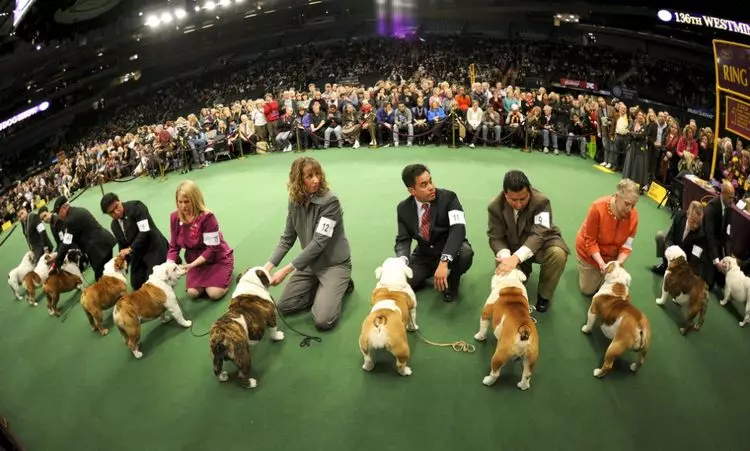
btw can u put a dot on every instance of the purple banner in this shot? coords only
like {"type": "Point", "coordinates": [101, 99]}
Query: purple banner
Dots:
{"type": "Point", "coordinates": [738, 117]}
{"type": "Point", "coordinates": [733, 67]}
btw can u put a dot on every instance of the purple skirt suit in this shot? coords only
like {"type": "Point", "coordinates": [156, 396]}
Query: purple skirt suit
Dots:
{"type": "Point", "coordinates": [202, 238]}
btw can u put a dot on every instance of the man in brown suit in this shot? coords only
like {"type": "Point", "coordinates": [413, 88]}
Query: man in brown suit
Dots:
{"type": "Point", "coordinates": [521, 232]}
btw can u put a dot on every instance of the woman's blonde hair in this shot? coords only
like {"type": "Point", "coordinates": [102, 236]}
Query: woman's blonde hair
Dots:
{"type": "Point", "coordinates": [194, 195]}
{"type": "Point", "coordinates": [695, 207]}
{"type": "Point", "coordinates": [628, 188]}
{"type": "Point", "coordinates": [296, 186]}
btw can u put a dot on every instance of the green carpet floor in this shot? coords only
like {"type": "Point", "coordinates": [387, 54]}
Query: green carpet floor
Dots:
{"type": "Point", "coordinates": [63, 387]}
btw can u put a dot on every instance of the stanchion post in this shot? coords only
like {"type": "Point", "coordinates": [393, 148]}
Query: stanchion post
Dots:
{"type": "Point", "coordinates": [453, 129]}
{"type": "Point", "coordinates": [296, 134]}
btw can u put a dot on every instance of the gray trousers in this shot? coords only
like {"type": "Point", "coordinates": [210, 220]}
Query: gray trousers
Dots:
{"type": "Point", "coordinates": [661, 245]}
{"type": "Point", "coordinates": [321, 291]}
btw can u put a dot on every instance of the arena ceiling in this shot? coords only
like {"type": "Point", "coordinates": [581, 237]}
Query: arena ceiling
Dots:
{"type": "Point", "coordinates": [70, 51]}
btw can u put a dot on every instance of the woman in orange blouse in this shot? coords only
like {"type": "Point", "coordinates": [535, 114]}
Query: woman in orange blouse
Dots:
{"type": "Point", "coordinates": [606, 234]}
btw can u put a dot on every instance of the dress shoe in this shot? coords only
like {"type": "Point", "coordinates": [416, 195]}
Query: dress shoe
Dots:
{"type": "Point", "coordinates": [450, 295]}
{"type": "Point", "coordinates": [350, 287]}
{"type": "Point", "coordinates": [542, 304]}
{"type": "Point", "coordinates": [659, 269]}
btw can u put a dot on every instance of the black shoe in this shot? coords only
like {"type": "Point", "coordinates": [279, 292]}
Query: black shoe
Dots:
{"type": "Point", "coordinates": [450, 295]}
{"type": "Point", "coordinates": [659, 269]}
{"type": "Point", "coordinates": [542, 304]}
{"type": "Point", "coordinates": [350, 287]}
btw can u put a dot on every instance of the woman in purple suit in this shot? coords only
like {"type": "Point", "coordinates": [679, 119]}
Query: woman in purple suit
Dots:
{"type": "Point", "coordinates": [209, 259]}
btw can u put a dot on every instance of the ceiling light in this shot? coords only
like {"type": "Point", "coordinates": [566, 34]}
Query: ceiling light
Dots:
{"type": "Point", "coordinates": [166, 17]}
{"type": "Point", "coordinates": [180, 13]}
{"type": "Point", "coordinates": [39, 46]}
{"type": "Point", "coordinates": [152, 21]}
{"type": "Point", "coordinates": [134, 57]}
{"type": "Point", "coordinates": [101, 53]}
{"type": "Point", "coordinates": [209, 5]}
{"type": "Point", "coordinates": [197, 8]}
{"type": "Point", "coordinates": [225, 2]}
{"type": "Point", "coordinates": [140, 14]}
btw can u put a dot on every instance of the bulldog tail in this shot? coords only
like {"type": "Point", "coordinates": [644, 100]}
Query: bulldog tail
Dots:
{"type": "Point", "coordinates": [219, 350]}
{"type": "Point", "coordinates": [378, 336]}
{"type": "Point", "coordinates": [380, 321]}
{"type": "Point", "coordinates": [524, 332]}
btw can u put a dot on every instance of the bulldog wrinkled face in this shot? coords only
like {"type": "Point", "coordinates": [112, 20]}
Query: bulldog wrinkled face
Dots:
{"type": "Point", "coordinates": [256, 276]}
{"type": "Point", "coordinates": [673, 253]}
{"type": "Point", "coordinates": [614, 272]}
{"type": "Point", "coordinates": [513, 276]}
{"type": "Point", "coordinates": [393, 272]}
{"type": "Point", "coordinates": [729, 263]}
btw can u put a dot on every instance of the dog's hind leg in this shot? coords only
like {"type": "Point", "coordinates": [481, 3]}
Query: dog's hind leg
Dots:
{"type": "Point", "coordinates": [528, 369]}
{"type": "Point", "coordinates": [590, 320]}
{"type": "Point", "coordinates": [174, 309]}
{"type": "Point", "coordinates": [746, 320]}
{"type": "Point", "coordinates": [273, 332]}
{"type": "Point", "coordinates": [242, 360]}
{"type": "Point", "coordinates": [499, 358]}
{"type": "Point", "coordinates": [484, 322]}
{"type": "Point", "coordinates": [401, 353]}
{"type": "Point", "coordinates": [364, 348]}
{"type": "Point", "coordinates": [615, 350]}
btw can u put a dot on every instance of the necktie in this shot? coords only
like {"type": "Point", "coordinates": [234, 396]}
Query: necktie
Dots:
{"type": "Point", "coordinates": [424, 225]}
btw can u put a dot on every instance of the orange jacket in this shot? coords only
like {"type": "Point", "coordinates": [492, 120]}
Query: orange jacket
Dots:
{"type": "Point", "coordinates": [602, 232]}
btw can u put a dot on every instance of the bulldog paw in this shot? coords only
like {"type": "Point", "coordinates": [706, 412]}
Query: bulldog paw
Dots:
{"type": "Point", "coordinates": [412, 327]}
{"type": "Point", "coordinates": [480, 336]}
{"type": "Point", "coordinates": [743, 322]}
{"type": "Point", "coordinates": [166, 318]}
{"type": "Point", "coordinates": [659, 301]}
{"type": "Point", "coordinates": [251, 383]}
{"type": "Point", "coordinates": [586, 329]}
{"type": "Point", "coordinates": [137, 354]}
{"type": "Point", "coordinates": [683, 330]}
{"type": "Point", "coordinates": [278, 336]}
{"type": "Point", "coordinates": [104, 331]}
{"type": "Point", "coordinates": [368, 365]}
{"type": "Point", "coordinates": [634, 367]}
{"type": "Point", "coordinates": [523, 385]}
{"type": "Point", "coordinates": [696, 327]}
{"type": "Point", "coordinates": [723, 302]}
{"type": "Point", "coordinates": [406, 371]}
{"type": "Point", "coordinates": [598, 373]}
{"type": "Point", "coordinates": [488, 380]}
{"type": "Point", "coordinates": [186, 323]}
{"type": "Point", "coordinates": [223, 376]}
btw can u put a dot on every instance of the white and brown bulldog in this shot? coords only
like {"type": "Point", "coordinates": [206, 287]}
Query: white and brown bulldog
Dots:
{"type": "Point", "coordinates": [685, 288]}
{"type": "Point", "coordinates": [105, 292]}
{"type": "Point", "coordinates": [737, 287]}
{"type": "Point", "coordinates": [17, 274]}
{"type": "Point", "coordinates": [394, 308]}
{"type": "Point", "coordinates": [251, 313]}
{"type": "Point", "coordinates": [156, 298]}
{"type": "Point", "coordinates": [507, 308]}
{"type": "Point", "coordinates": [621, 322]}
{"type": "Point", "coordinates": [68, 278]}
{"type": "Point", "coordinates": [36, 278]}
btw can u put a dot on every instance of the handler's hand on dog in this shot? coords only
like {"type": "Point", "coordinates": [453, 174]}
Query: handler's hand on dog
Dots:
{"type": "Point", "coordinates": [506, 265]}
{"type": "Point", "coordinates": [441, 277]}
{"type": "Point", "coordinates": [279, 276]}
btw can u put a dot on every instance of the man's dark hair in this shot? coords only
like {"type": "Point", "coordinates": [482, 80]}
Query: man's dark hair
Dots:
{"type": "Point", "coordinates": [410, 173]}
{"type": "Point", "coordinates": [515, 181]}
{"type": "Point", "coordinates": [107, 201]}
{"type": "Point", "coordinates": [42, 210]}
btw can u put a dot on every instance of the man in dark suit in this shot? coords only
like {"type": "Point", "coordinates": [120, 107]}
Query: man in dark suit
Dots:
{"type": "Point", "coordinates": [80, 228]}
{"type": "Point", "coordinates": [521, 232]}
{"type": "Point", "coordinates": [55, 225]}
{"type": "Point", "coordinates": [715, 225]}
{"type": "Point", "coordinates": [137, 236]}
{"type": "Point", "coordinates": [435, 219]}
{"type": "Point", "coordinates": [687, 232]}
{"type": "Point", "coordinates": [36, 235]}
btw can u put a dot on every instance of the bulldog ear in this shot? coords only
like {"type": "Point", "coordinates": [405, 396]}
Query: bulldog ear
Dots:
{"type": "Point", "coordinates": [609, 267]}
{"type": "Point", "coordinates": [409, 273]}
{"type": "Point", "coordinates": [263, 276]}
{"type": "Point", "coordinates": [378, 272]}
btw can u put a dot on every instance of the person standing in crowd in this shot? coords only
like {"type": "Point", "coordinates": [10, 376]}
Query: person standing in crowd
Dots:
{"type": "Point", "coordinates": [716, 226]}
{"type": "Point", "coordinates": [35, 232]}
{"type": "Point", "coordinates": [209, 259]}
{"type": "Point", "coordinates": [687, 232]}
{"type": "Point", "coordinates": [520, 222]}
{"type": "Point", "coordinates": [80, 228]}
{"type": "Point", "coordinates": [435, 219]}
{"type": "Point", "coordinates": [137, 236]}
{"type": "Point", "coordinates": [607, 234]}
{"type": "Point", "coordinates": [321, 273]}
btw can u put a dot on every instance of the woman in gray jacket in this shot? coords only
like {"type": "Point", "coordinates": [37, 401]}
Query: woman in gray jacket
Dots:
{"type": "Point", "coordinates": [321, 273]}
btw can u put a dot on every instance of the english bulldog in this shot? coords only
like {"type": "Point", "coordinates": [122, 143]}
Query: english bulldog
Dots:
{"type": "Point", "coordinates": [156, 298]}
{"type": "Point", "coordinates": [251, 313]}
{"type": "Point", "coordinates": [394, 307]}
{"type": "Point", "coordinates": [104, 293]}
{"type": "Point", "coordinates": [37, 277]}
{"type": "Point", "coordinates": [507, 307]}
{"type": "Point", "coordinates": [67, 279]}
{"type": "Point", "coordinates": [621, 322]}
{"type": "Point", "coordinates": [685, 288]}
{"type": "Point", "coordinates": [17, 274]}
{"type": "Point", "coordinates": [736, 287]}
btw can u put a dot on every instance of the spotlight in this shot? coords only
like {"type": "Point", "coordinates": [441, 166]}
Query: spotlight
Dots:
{"type": "Point", "coordinates": [664, 15]}
{"type": "Point", "coordinates": [209, 5]}
{"type": "Point", "coordinates": [225, 3]}
{"type": "Point", "coordinates": [39, 46]}
{"type": "Point", "coordinates": [166, 17]}
{"type": "Point", "coordinates": [152, 21]}
{"type": "Point", "coordinates": [180, 13]}
{"type": "Point", "coordinates": [197, 8]}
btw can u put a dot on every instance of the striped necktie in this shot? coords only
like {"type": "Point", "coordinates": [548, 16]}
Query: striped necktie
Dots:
{"type": "Point", "coordinates": [424, 225]}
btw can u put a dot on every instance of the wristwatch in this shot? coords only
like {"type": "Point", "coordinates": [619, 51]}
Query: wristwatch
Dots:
{"type": "Point", "coordinates": [445, 258]}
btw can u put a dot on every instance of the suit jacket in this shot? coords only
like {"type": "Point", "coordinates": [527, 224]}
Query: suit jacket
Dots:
{"type": "Point", "coordinates": [141, 235]}
{"type": "Point", "coordinates": [80, 228]}
{"type": "Point", "coordinates": [694, 243]}
{"type": "Point", "coordinates": [447, 226]}
{"type": "Point", "coordinates": [534, 228]}
{"type": "Point", "coordinates": [715, 227]}
{"type": "Point", "coordinates": [36, 235]}
{"type": "Point", "coordinates": [58, 230]}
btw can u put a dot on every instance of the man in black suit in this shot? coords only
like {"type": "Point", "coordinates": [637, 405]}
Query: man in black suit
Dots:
{"type": "Point", "coordinates": [137, 236]}
{"type": "Point", "coordinates": [716, 226]}
{"type": "Point", "coordinates": [687, 232]}
{"type": "Point", "coordinates": [36, 235]}
{"type": "Point", "coordinates": [80, 228]}
{"type": "Point", "coordinates": [435, 219]}
{"type": "Point", "coordinates": [55, 225]}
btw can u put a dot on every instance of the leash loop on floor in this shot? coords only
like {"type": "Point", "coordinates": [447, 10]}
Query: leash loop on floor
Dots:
{"type": "Point", "coordinates": [458, 346]}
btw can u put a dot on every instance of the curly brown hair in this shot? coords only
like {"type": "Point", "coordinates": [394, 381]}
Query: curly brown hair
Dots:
{"type": "Point", "coordinates": [296, 185]}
